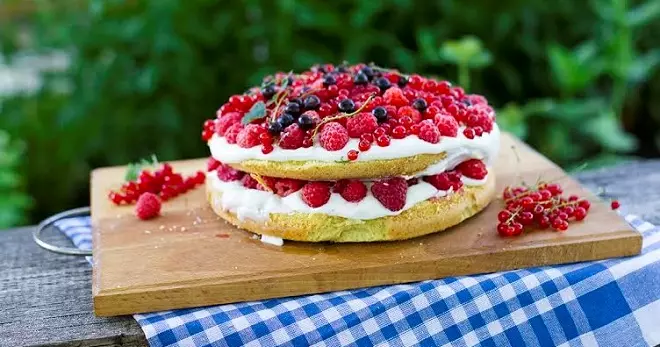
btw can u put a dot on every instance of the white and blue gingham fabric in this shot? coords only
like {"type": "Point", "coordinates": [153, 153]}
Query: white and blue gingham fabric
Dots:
{"type": "Point", "coordinates": [613, 302]}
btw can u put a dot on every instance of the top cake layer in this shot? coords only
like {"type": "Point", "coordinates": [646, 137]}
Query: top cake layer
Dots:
{"type": "Point", "coordinates": [350, 122]}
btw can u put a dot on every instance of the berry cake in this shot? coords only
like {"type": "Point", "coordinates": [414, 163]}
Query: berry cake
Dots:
{"type": "Point", "coordinates": [350, 154]}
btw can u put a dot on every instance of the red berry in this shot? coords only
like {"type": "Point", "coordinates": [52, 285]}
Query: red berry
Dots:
{"type": "Point", "coordinates": [352, 155]}
{"type": "Point", "coordinates": [211, 165]}
{"type": "Point", "coordinates": [352, 190]}
{"type": "Point", "coordinates": [415, 81]}
{"type": "Point", "coordinates": [249, 182]}
{"type": "Point", "coordinates": [226, 121]}
{"type": "Point", "coordinates": [615, 204]}
{"type": "Point", "coordinates": [478, 131]}
{"type": "Point", "coordinates": [266, 139]}
{"type": "Point", "coordinates": [307, 142]}
{"type": "Point", "coordinates": [545, 194]}
{"type": "Point", "coordinates": [554, 188]}
{"type": "Point", "coordinates": [116, 198]}
{"type": "Point", "coordinates": [517, 228]}
{"type": "Point", "coordinates": [543, 222]}
{"type": "Point", "coordinates": [316, 194]}
{"type": "Point", "coordinates": [538, 209]}
{"type": "Point", "coordinates": [573, 198]}
{"type": "Point", "coordinates": [557, 223]}
{"type": "Point", "coordinates": [473, 168]}
{"type": "Point", "coordinates": [333, 136]}
{"type": "Point", "coordinates": [443, 87]}
{"type": "Point", "coordinates": [362, 123]}
{"type": "Point", "coordinates": [441, 181]}
{"type": "Point", "coordinates": [506, 230]}
{"type": "Point", "coordinates": [292, 137]}
{"type": "Point", "coordinates": [429, 132]}
{"type": "Point", "coordinates": [391, 192]}
{"type": "Point", "coordinates": [447, 125]}
{"type": "Point", "coordinates": [148, 206]}
{"type": "Point", "coordinates": [415, 128]}
{"type": "Point", "coordinates": [399, 132]}
{"type": "Point", "coordinates": [469, 133]}
{"type": "Point", "coordinates": [286, 186]}
{"type": "Point", "coordinates": [503, 215]}
{"type": "Point", "coordinates": [369, 138]}
{"type": "Point", "coordinates": [364, 145]}
{"type": "Point", "coordinates": [207, 134]}
{"type": "Point", "coordinates": [249, 136]}
{"type": "Point", "coordinates": [380, 131]}
{"type": "Point", "coordinates": [265, 149]}
{"type": "Point", "coordinates": [394, 96]}
{"type": "Point", "coordinates": [580, 213]}
{"type": "Point", "coordinates": [227, 174]}
{"type": "Point", "coordinates": [585, 204]}
{"type": "Point", "coordinates": [383, 141]}
{"type": "Point", "coordinates": [526, 218]}
{"type": "Point", "coordinates": [231, 134]}
{"type": "Point", "coordinates": [410, 112]}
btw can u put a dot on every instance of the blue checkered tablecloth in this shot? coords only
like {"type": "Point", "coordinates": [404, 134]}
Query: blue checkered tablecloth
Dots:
{"type": "Point", "coordinates": [613, 302]}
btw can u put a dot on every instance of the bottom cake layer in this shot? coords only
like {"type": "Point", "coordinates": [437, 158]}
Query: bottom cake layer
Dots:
{"type": "Point", "coordinates": [432, 215]}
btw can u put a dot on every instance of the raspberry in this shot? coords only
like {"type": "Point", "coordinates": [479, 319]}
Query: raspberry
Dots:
{"type": "Point", "coordinates": [227, 173]}
{"type": "Point", "coordinates": [249, 182]}
{"type": "Point", "coordinates": [473, 168]}
{"type": "Point", "coordinates": [148, 206]}
{"type": "Point", "coordinates": [441, 181]}
{"type": "Point", "coordinates": [212, 164]}
{"type": "Point", "coordinates": [316, 194]}
{"type": "Point", "coordinates": [476, 99]}
{"type": "Point", "coordinates": [333, 136]}
{"type": "Point", "coordinates": [409, 112]}
{"type": "Point", "coordinates": [479, 118]}
{"type": "Point", "coordinates": [429, 132]}
{"type": "Point", "coordinates": [249, 136]}
{"type": "Point", "coordinates": [362, 123]}
{"type": "Point", "coordinates": [391, 192]}
{"type": "Point", "coordinates": [351, 190]}
{"type": "Point", "coordinates": [232, 133]}
{"type": "Point", "coordinates": [447, 125]}
{"type": "Point", "coordinates": [227, 120]}
{"type": "Point", "coordinates": [292, 137]}
{"type": "Point", "coordinates": [286, 186]}
{"type": "Point", "coordinates": [270, 183]}
{"type": "Point", "coordinates": [394, 96]}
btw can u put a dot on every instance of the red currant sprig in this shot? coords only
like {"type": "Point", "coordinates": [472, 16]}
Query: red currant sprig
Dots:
{"type": "Point", "coordinates": [163, 182]}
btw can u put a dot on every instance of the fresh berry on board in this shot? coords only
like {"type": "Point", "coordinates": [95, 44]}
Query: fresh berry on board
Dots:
{"type": "Point", "coordinates": [148, 206]}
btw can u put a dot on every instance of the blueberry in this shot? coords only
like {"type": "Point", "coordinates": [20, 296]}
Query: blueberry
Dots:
{"type": "Point", "coordinates": [382, 83]}
{"type": "Point", "coordinates": [368, 71]}
{"type": "Point", "coordinates": [342, 68]}
{"type": "Point", "coordinates": [295, 101]}
{"type": "Point", "coordinates": [466, 102]}
{"type": "Point", "coordinates": [360, 79]}
{"type": "Point", "coordinates": [285, 120]}
{"type": "Point", "coordinates": [380, 113]}
{"type": "Point", "coordinates": [329, 80]}
{"type": "Point", "coordinates": [402, 81]}
{"type": "Point", "coordinates": [312, 102]}
{"type": "Point", "coordinates": [419, 104]}
{"type": "Point", "coordinates": [306, 122]}
{"type": "Point", "coordinates": [268, 91]}
{"type": "Point", "coordinates": [275, 128]}
{"type": "Point", "coordinates": [293, 108]}
{"type": "Point", "coordinates": [346, 106]}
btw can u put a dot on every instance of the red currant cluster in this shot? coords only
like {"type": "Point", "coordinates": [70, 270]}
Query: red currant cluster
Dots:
{"type": "Point", "coordinates": [541, 206]}
{"type": "Point", "coordinates": [337, 103]}
{"type": "Point", "coordinates": [163, 182]}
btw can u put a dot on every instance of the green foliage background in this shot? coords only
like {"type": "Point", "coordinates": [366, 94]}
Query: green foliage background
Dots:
{"type": "Point", "coordinates": [576, 79]}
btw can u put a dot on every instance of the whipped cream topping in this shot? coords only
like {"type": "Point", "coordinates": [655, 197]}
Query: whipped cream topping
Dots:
{"type": "Point", "coordinates": [258, 205]}
{"type": "Point", "coordinates": [458, 149]}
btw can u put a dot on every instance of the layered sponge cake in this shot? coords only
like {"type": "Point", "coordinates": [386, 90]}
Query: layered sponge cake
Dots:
{"type": "Point", "coordinates": [350, 154]}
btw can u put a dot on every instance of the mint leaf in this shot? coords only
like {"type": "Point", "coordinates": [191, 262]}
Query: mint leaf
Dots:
{"type": "Point", "coordinates": [133, 169]}
{"type": "Point", "coordinates": [257, 111]}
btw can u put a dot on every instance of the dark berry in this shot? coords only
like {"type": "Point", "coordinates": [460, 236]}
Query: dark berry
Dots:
{"type": "Point", "coordinates": [296, 101]}
{"type": "Point", "coordinates": [368, 71]}
{"type": "Point", "coordinates": [342, 68]}
{"type": "Point", "coordinates": [275, 128]}
{"type": "Point", "coordinates": [380, 113]}
{"type": "Point", "coordinates": [346, 106]}
{"type": "Point", "coordinates": [419, 104]}
{"type": "Point", "coordinates": [329, 80]}
{"type": "Point", "coordinates": [285, 120]}
{"type": "Point", "coordinates": [312, 102]}
{"type": "Point", "coordinates": [293, 108]}
{"type": "Point", "coordinates": [268, 91]}
{"type": "Point", "coordinates": [382, 83]}
{"type": "Point", "coordinates": [402, 81]}
{"type": "Point", "coordinates": [360, 79]}
{"type": "Point", "coordinates": [466, 102]}
{"type": "Point", "coordinates": [305, 122]}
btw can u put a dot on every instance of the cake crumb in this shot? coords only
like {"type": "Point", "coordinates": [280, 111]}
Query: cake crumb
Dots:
{"type": "Point", "coordinates": [161, 227]}
{"type": "Point", "coordinates": [147, 231]}
{"type": "Point", "coordinates": [183, 228]}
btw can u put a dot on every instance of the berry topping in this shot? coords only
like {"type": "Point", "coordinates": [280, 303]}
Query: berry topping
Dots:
{"type": "Point", "coordinates": [333, 136]}
{"type": "Point", "coordinates": [227, 173]}
{"type": "Point", "coordinates": [212, 164]}
{"type": "Point", "coordinates": [227, 120]}
{"type": "Point", "coordinates": [268, 91]}
{"type": "Point", "coordinates": [419, 104]}
{"type": "Point", "coordinates": [148, 206]}
{"type": "Point", "coordinates": [391, 193]}
{"type": "Point", "coordinates": [352, 155]}
{"type": "Point", "coordinates": [346, 106]}
{"type": "Point", "coordinates": [312, 102]}
{"type": "Point", "coordinates": [362, 123]}
{"type": "Point", "coordinates": [308, 119]}
{"type": "Point", "coordinates": [329, 80]}
{"type": "Point", "coordinates": [249, 182]}
{"type": "Point", "coordinates": [360, 79]}
{"type": "Point", "coordinates": [232, 133]}
{"type": "Point", "coordinates": [249, 136]}
{"type": "Point", "coordinates": [429, 132]}
{"type": "Point", "coordinates": [351, 190]}
{"type": "Point", "coordinates": [407, 111]}
{"type": "Point", "coordinates": [447, 125]}
{"type": "Point", "coordinates": [394, 96]}
{"type": "Point", "coordinates": [316, 194]}
{"type": "Point", "coordinates": [292, 137]}
{"type": "Point", "coordinates": [382, 83]}
{"type": "Point", "coordinates": [380, 113]}
{"type": "Point", "coordinates": [285, 120]}
{"type": "Point", "coordinates": [275, 128]}
{"type": "Point", "coordinates": [286, 186]}
{"type": "Point", "coordinates": [293, 108]}
{"type": "Point", "coordinates": [473, 168]}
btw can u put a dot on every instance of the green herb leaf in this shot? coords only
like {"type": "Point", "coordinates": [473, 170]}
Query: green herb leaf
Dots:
{"type": "Point", "coordinates": [134, 169]}
{"type": "Point", "coordinates": [257, 111]}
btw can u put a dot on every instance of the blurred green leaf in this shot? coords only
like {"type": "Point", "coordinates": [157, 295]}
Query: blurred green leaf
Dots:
{"type": "Point", "coordinates": [643, 14]}
{"type": "Point", "coordinates": [607, 131]}
{"type": "Point", "coordinates": [642, 67]}
{"type": "Point", "coordinates": [570, 72]}
{"type": "Point", "coordinates": [468, 51]}
{"type": "Point", "coordinates": [512, 119]}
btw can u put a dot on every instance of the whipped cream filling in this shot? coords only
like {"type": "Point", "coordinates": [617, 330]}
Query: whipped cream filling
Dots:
{"type": "Point", "coordinates": [257, 205]}
{"type": "Point", "coordinates": [458, 149]}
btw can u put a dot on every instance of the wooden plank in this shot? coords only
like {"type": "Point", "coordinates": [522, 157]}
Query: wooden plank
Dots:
{"type": "Point", "coordinates": [178, 261]}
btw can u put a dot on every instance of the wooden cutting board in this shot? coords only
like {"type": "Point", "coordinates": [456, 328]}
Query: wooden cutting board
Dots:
{"type": "Point", "coordinates": [189, 257]}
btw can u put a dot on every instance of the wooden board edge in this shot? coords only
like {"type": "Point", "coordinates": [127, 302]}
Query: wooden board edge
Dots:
{"type": "Point", "coordinates": [112, 303]}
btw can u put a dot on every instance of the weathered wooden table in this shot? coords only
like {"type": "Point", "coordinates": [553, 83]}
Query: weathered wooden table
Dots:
{"type": "Point", "coordinates": [45, 298]}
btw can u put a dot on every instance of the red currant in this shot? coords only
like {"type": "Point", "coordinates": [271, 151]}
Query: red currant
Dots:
{"type": "Point", "coordinates": [503, 216]}
{"type": "Point", "coordinates": [364, 145]}
{"type": "Point", "coordinates": [615, 204]}
{"type": "Point", "coordinates": [352, 155]}
{"type": "Point", "coordinates": [399, 132]}
{"type": "Point", "coordinates": [383, 141]}
{"type": "Point", "coordinates": [469, 133]}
